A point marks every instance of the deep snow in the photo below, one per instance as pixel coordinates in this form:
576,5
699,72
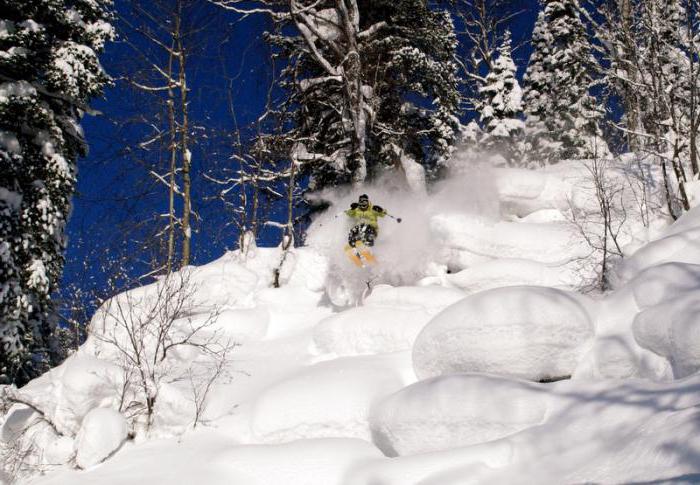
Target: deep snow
431,378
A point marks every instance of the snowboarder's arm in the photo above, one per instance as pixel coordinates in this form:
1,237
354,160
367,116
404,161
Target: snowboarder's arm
380,212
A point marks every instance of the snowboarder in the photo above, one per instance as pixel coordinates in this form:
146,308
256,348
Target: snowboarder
365,230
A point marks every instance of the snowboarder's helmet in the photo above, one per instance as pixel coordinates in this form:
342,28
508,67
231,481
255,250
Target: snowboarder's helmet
364,201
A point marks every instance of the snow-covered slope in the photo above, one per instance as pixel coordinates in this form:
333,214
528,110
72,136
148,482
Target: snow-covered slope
430,379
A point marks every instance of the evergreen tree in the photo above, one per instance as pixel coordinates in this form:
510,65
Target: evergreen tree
501,108
49,71
562,115
406,69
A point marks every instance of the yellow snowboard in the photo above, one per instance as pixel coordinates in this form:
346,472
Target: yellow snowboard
360,254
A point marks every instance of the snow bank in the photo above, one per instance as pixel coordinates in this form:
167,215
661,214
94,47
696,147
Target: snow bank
291,309
513,272
27,440
523,191
680,247
243,325
101,434
212,458
328,399
453,411
471,241
591,432
307,462
73,389
672,330
524,331
369,330
431,299
615,354
663,282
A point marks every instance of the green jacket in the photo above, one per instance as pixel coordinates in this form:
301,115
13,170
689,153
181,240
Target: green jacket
369,216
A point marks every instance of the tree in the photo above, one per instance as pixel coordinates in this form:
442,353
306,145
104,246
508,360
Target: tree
369,83
651,65
562,116
50,74
483,26
501,108
163,37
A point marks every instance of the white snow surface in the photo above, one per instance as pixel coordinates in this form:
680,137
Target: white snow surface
102,432
521,331
453,411
421,369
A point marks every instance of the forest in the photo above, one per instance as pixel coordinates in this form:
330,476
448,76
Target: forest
526,144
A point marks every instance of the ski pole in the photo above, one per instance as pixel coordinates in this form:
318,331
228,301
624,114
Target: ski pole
397,219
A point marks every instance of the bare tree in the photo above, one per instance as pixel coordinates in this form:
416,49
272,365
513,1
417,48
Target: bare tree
143,329
20,456
651,55
163,35
602,230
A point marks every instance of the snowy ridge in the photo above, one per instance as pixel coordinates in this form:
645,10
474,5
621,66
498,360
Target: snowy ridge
432,380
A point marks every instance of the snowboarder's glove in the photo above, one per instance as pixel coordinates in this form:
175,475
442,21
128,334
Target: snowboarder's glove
354,205
398,219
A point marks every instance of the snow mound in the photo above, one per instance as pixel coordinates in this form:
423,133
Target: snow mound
101,434
672,330
689,220
592,432
432,299
73,389
678,247
369,330
469,241
327,400
291,309
523,192
243,325
453,411
663,282
523,331
512,272
615,354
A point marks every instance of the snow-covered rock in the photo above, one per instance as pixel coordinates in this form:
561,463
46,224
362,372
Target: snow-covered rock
672,330
102,432
454,411
523,331
370,330
329,399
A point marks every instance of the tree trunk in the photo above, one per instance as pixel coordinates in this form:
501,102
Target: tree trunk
184,147
172,178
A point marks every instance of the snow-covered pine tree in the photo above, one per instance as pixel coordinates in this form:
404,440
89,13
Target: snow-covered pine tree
562,116
501,107
49,70
651,64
